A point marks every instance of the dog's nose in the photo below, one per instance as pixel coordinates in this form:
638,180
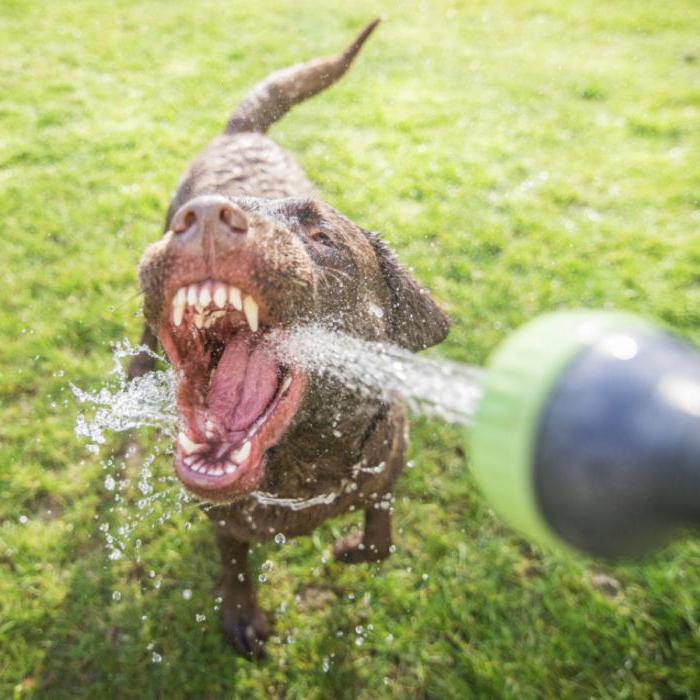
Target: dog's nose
209,214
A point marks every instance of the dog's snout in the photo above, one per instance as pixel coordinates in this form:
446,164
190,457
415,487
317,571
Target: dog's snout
210,214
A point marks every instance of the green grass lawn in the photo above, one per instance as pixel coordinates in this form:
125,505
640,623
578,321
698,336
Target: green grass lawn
519,156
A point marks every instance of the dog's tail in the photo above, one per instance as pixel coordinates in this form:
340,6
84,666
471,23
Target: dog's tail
271,99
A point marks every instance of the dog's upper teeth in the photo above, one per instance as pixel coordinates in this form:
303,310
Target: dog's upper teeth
220,295
199,297
286,384
250,309
204,296
241,454
179,306
230,467
234,298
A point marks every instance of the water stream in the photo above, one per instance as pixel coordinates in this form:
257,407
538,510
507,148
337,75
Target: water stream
432,387
428,386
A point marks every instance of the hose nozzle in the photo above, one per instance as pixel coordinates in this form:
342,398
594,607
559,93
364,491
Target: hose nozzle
588,433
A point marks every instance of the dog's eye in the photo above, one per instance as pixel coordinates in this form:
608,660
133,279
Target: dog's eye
320,236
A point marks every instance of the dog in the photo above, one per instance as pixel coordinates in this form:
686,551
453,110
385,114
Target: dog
250,248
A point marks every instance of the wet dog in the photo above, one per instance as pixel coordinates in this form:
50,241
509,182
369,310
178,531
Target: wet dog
250,249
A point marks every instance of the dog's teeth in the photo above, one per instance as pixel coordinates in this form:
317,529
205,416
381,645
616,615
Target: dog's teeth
192,295
234,298
189,445
218,471
189,460
198,320
204,296
286,384
210,429
240,455
250,309
213,317
220,295
179,306
230,467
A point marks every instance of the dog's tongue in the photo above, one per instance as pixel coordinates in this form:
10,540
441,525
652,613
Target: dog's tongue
243,384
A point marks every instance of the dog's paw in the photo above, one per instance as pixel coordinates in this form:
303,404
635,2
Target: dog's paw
247,631
352,550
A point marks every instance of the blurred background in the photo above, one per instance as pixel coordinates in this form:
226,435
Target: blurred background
520,156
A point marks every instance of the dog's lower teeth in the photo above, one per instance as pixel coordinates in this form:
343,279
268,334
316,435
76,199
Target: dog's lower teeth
189,446
230,468
240,455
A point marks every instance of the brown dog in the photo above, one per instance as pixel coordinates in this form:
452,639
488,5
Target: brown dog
248,248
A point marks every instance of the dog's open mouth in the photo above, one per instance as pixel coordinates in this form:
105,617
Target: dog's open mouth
234,397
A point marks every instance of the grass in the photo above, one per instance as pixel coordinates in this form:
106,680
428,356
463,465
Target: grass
520,157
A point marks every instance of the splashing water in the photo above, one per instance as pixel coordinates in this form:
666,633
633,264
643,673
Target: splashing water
147,401
436,388
428,386
147,497
140,489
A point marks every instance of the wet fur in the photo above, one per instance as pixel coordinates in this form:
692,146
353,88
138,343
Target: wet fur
336,442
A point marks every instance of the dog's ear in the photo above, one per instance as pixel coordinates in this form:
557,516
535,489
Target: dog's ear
414,320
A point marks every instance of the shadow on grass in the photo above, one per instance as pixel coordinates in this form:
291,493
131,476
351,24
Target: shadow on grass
126,631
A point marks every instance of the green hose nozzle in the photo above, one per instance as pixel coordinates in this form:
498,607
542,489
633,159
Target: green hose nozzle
588,433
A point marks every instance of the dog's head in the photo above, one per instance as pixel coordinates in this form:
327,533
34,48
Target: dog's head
226,273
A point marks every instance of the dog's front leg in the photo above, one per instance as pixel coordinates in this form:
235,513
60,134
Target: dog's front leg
372,544
143,362
244,624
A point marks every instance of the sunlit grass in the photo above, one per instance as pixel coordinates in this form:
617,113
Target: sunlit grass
519,156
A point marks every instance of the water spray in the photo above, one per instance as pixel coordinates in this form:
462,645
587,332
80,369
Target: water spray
585,426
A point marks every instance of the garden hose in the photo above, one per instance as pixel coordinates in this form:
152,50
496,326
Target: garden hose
587,435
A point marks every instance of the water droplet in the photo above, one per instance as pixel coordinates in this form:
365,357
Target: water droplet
156,658
187,594
375,310
109,483
117,596
280,538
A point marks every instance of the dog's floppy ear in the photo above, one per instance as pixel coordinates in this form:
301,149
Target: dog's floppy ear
414,320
